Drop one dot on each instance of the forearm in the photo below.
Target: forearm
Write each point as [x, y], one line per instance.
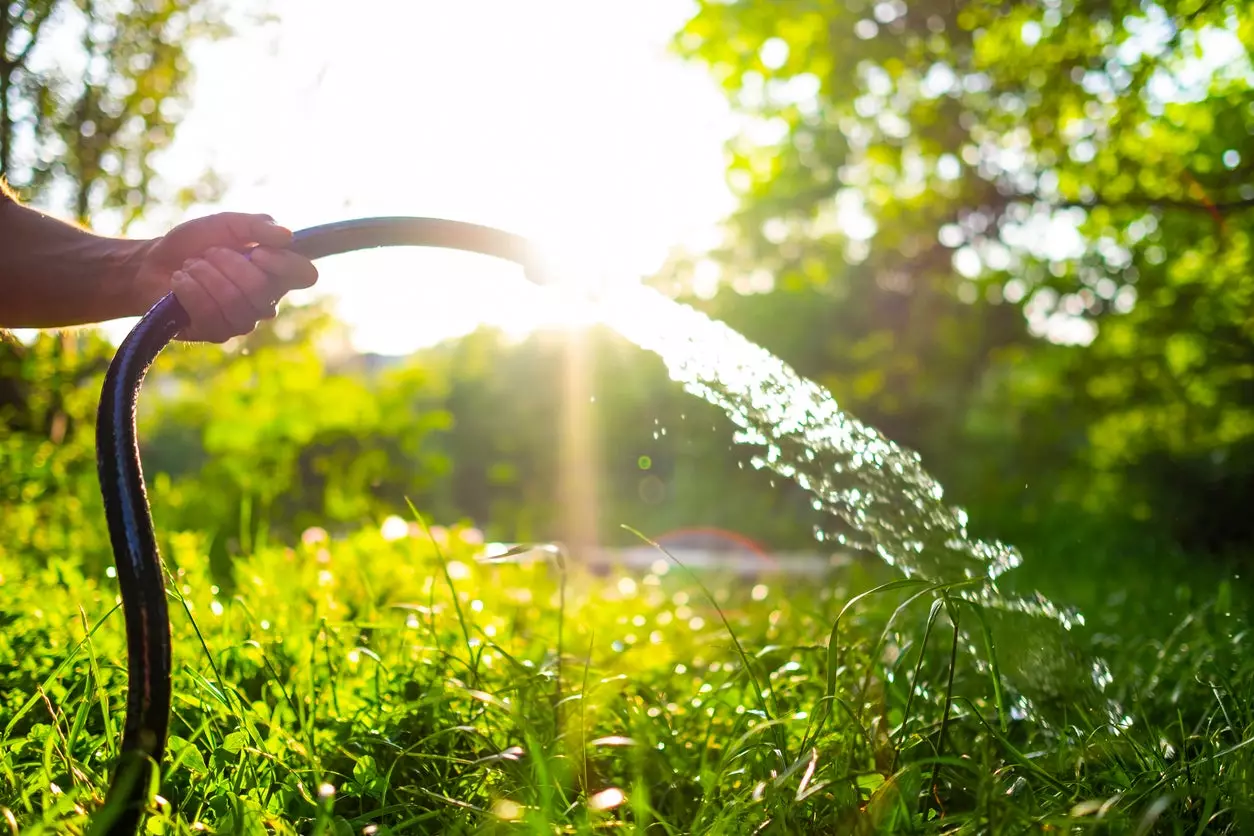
[53, 274]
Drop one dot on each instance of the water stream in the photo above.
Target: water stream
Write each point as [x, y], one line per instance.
[876, 494]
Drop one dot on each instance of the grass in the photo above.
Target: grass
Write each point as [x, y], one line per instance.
[371, 687]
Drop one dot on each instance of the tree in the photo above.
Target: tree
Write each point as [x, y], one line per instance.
[82, 128]
[91, 92]
[1064, 181]
[282, 434]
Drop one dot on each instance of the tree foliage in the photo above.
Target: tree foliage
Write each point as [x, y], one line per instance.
[91, 92]
[1042, 202]
[276, 435]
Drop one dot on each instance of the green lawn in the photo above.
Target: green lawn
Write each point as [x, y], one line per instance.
[343, 688]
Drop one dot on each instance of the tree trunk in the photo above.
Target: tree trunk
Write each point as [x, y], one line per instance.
[6, 82]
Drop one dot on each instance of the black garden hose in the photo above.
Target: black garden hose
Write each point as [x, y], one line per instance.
[126, 506]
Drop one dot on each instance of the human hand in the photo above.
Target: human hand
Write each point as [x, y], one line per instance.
[227, 270]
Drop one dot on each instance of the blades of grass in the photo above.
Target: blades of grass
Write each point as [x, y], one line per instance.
[379, 667]
[883, 637]
[638, 799]
[583, 709]
[1153, 813]
[1208, 810]
[508, 555]
[80, 717]
[63, 749]
[855, 721]
[452, 802]
[102, 693]
[55, 675]
[368, 598]
[173, 590]
[541, 817]
[822, 710]
[332, 675]
[209, 687]
[1156, 672]
[1017, 756]
[297, 712]
[914, 681]
[781, 738]
[994, 670]
[312, 696]
[561, 649]
[409, 752]
[949, 695]
[1223, 753]
[735, 749]
[448, 578]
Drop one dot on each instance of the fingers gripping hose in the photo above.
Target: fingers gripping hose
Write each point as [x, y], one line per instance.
[126, 506]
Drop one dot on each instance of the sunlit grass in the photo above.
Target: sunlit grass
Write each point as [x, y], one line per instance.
[376, 685]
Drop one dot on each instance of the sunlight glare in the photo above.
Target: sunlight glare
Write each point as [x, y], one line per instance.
[606, 152]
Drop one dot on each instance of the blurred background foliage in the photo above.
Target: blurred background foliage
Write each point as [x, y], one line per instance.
[1023, 229]
[1014, 236]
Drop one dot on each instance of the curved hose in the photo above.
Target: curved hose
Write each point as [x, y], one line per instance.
[126, 505]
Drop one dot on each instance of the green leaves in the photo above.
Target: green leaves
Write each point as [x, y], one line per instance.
[273, 438]
[91, 124]
[1044, 224]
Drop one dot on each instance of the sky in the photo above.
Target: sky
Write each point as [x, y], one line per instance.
[565, 120]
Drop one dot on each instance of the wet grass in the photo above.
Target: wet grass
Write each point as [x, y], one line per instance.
[374, 687]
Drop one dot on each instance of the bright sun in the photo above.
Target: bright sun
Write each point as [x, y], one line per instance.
[605, 151]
